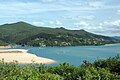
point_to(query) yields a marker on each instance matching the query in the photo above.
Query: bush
(112, 63)
(99, 70)
(65, 70)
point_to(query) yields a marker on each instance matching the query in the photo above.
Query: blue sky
(96, 16)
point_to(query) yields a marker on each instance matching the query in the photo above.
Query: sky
(96, 16)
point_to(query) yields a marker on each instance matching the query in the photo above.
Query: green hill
(26, 34)
(117, 37)
(2, 43)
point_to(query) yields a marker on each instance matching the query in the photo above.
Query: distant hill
(2, 43)
(117, 37)
(22, 33)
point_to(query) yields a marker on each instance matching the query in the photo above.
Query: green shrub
(99, 70)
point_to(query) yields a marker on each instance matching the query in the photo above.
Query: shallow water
(74, 54)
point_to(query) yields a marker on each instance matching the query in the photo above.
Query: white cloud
(96, 4)
(116, 23)
(68, 18)
(55, 24)
(118, 12)
(54, 5)
(109, 17)
(112, 23)
(58, 22)
(48, 1)
(38, 23)
(51, 22)
(109, 28)
(82, 23)
(86, 26)
(91, 17)
(109, 25)
(17, 7)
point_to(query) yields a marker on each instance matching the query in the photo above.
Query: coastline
(23, 57)
(108, 44)
(13, 46)
(111, 44)
(2, 47)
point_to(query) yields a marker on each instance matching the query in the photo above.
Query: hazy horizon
(96, 16)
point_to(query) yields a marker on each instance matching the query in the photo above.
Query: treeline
(108, 69)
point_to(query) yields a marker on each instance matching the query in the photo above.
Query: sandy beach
(23, 57)
(5, 47)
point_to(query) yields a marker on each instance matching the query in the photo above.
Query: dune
(23, 57)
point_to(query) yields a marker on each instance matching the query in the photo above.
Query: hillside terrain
(22, 33)
(2, 43)
(117, 37)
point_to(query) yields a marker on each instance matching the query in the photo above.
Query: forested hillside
(22, 33)
(117, 37)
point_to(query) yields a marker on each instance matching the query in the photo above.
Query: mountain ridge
(22, 33)
(116, 37)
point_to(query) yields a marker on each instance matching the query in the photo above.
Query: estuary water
(75, 55)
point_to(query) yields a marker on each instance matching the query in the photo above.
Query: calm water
(75, 55)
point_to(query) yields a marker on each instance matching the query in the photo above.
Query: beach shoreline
(23, 57)
(3, 47)
(111, 44)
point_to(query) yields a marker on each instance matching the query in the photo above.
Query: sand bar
(5, 47)
(23, 57)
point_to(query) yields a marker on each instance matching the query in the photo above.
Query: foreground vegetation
(108, 69)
